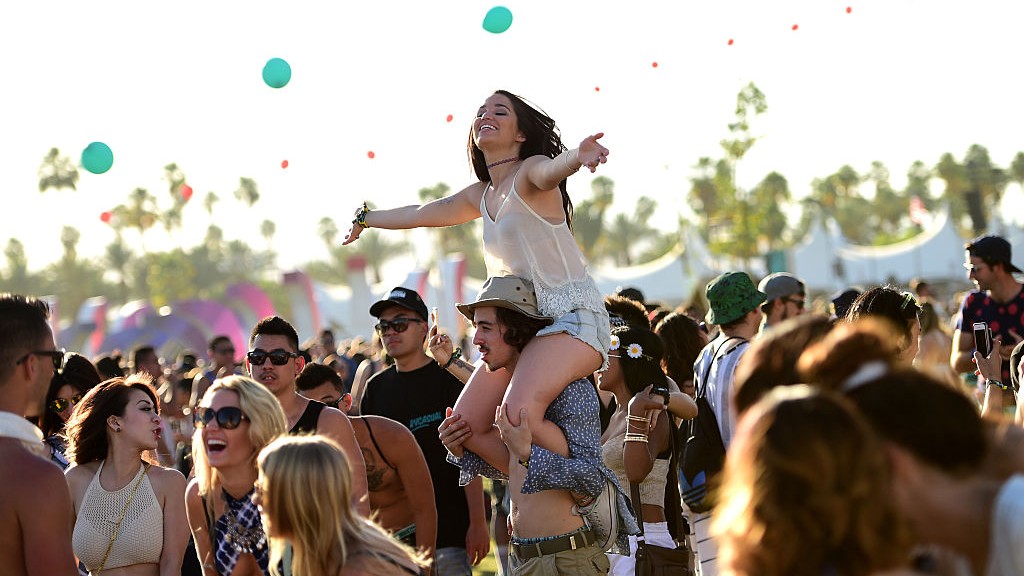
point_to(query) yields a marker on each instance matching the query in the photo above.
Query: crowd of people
(836, 442)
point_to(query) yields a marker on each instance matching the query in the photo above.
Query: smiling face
(225, 447)
(140, 423)
(278, 379)
(496, 122)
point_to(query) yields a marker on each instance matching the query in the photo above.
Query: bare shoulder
(387, 426)
(80, 475)
(192, 491)
(30, 474)
(332, 419)
(167, 481)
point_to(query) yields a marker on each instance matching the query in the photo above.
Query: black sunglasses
(59, 405)
(278, 357)
(227, 417)
(399, 324)
(57, 356)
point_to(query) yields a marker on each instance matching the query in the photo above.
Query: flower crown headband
(634, 350)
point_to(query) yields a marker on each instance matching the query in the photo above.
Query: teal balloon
(498, 20)
(277, 73)
(97, 158)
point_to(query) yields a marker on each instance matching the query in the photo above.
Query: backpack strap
(702, 391)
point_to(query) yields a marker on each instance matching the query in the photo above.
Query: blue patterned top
(577, 412)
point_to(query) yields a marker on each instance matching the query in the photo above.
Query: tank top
(310, 416)
(652, 489)
(140, 539)
(519, 242)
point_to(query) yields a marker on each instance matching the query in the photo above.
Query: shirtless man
(273, 360)
(393, 461)
(35, 505)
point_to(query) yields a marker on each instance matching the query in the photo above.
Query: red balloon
(654, 64)
(105, 217)
(795, 26)
(597, 88)
(186, 192)
(849, 9)
(730, 41)
(449, 118)
(370, 155)
(284, 163)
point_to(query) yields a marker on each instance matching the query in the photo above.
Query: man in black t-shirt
(415, 392)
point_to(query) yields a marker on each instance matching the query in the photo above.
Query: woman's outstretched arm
(451, 210)
(545, 174)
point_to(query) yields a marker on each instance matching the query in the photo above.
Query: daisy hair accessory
(615, 342)
(636, 351)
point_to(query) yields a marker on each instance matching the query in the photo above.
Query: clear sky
(161, 82)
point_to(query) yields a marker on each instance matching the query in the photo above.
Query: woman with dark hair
(129, 513)
(636, 444)
(899, 308)
(684, 339)
(66, 390)
(806, 492)
(518, 157)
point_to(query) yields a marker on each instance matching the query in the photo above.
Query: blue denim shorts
(587, 326)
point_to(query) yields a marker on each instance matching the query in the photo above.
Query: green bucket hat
(732, 295)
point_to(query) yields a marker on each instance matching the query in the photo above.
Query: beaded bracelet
(453, 358)
(361, 216)
(632, 437)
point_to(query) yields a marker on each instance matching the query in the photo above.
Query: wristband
(525, 463)
(996, 383)
(453, 358)
(361, 216)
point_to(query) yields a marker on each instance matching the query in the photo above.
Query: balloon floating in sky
(277, 73)
(186, 191)
(796, 26)
(284, 163)
(371, 155)
(498, 19)
(597, 88)
(449, 118)
(97, 158)
(654, 64)
(730, 41)
(105, 217)
(849, 9)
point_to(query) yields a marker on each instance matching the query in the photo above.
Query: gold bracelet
(643, 419)
(632, 437)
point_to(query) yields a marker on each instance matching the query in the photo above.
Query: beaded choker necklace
(500, 162)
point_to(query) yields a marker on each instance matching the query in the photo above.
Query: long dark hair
(644, 370)
(81, 375)
(542, 139)
(87, 427)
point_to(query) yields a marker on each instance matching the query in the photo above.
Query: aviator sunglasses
(278, 356)
(59, 405)
(228, 417)
(398, 324)
(56, 356)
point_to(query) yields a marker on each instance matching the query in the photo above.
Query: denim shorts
(452, 561)
(591, 328)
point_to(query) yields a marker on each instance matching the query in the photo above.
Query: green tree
(464, 238)
(139, 213)
(627, 234)
(72, 279)
(588, 216)
(768, 198)
(248, 191)
(209, 201)
(704, 194)
(57, 172)
(267, 230)
(175, 178)
(18, 280)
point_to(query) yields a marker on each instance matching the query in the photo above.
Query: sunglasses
(399, 324)
(57, 356)
(798, 302)
(228, 417)
(278, 357)
(59, 405)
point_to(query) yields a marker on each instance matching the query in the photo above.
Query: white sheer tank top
(519, 242)
(140, 539)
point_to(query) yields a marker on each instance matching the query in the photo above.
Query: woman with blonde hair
(236, 418)
(129, 512)
(807, 491)
(304, 495)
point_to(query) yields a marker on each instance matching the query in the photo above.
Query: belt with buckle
(580, 539)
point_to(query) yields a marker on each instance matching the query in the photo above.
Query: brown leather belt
(580, 539)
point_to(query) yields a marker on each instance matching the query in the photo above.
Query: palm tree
(769, 196)
(140, 213)
(588, 216)
(209, 200)
(248, 191)
(267, 230)
(57, 172)
(703, 193)
(328, 231)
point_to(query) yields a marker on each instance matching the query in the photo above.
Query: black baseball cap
(994, 248)
(404, 297)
